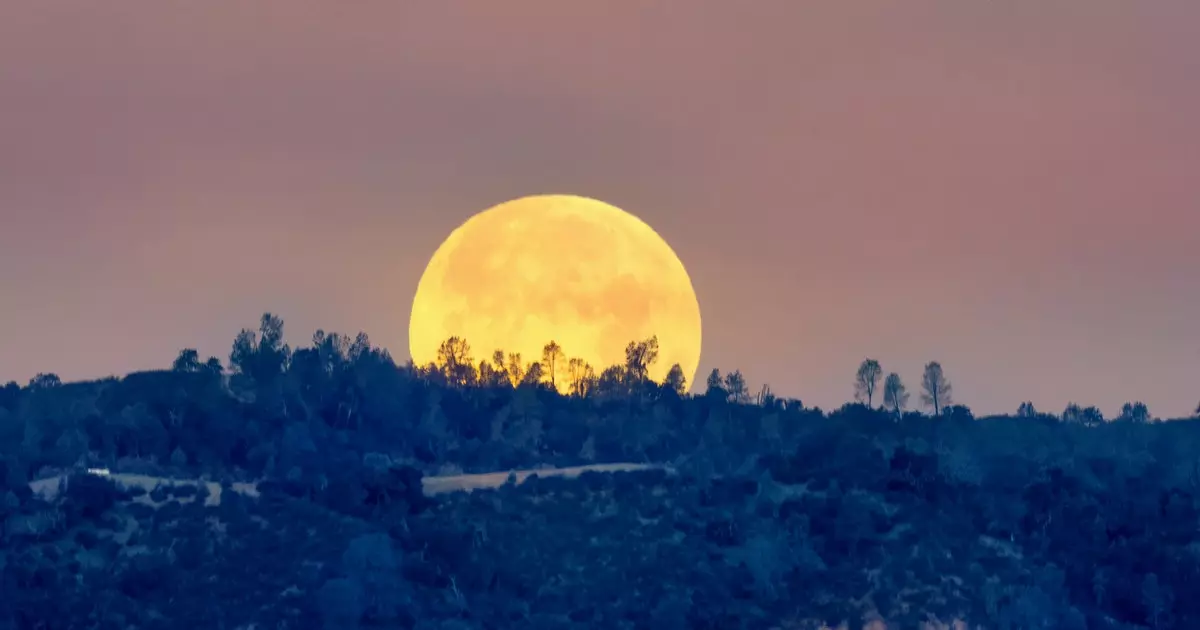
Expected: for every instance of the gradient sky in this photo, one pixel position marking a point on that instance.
(1010, 188)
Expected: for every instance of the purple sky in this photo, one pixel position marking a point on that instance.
(1012, 189)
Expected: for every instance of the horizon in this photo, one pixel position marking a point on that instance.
(946, 182)
(695, 388)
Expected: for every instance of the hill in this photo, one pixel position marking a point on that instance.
(773, 515)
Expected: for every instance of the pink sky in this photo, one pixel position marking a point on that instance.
(1008, 188)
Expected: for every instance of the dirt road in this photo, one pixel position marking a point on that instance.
(48, 488)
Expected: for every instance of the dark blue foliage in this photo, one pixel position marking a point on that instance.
(761, 515)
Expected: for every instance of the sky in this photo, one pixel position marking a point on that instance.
(1008, 188)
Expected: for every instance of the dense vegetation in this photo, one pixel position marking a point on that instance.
(772, 514)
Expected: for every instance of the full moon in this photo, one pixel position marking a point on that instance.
(578, 271)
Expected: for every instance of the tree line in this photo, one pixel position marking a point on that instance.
(456, 366)
(936, 390)
(262, 354)
(936, 395)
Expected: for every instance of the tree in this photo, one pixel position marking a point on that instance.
(455, 362)
(45, 380)
(895, 395)
(1092, 417)
(489, 376)
(957, 412)
(187, 361)
(735, 387)
(10, 394)
(935, 388)
(675, 380)
(639, 356)
(581, 377)
(867, 380)
(1026, 410)
(1089, 417)
(715, 386)
(515, 369)
(332, 349)
(1135, 412)
(270, 332)
(213, 366)
(534, 375)
(261, 355)
(241, 357)
(500, 368)
(766, 398)
(552, 361)
(612, 383)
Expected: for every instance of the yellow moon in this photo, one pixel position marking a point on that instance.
(578, 271)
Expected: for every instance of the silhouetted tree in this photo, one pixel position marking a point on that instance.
(333, 350)
(935, 389)
(455, 362)
(515, 369)
(895, 394)
(582, 377)
(675, 380)
(1135, 412)
(715, 385)
(867, 380)
(270, 332)
(1090, 417)
(1026, 410)
(360, 349)
(534, 375)
(639, 356)
(45, 380)
(612, 383)
(213, 366)
(735, 387)
(500, 367)
(489, 376)
(187, 361)
(552, 361)
(957, 412)
(765, 397)
(9, 395)
(261, 355)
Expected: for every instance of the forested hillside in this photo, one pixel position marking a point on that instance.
(775, 515)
